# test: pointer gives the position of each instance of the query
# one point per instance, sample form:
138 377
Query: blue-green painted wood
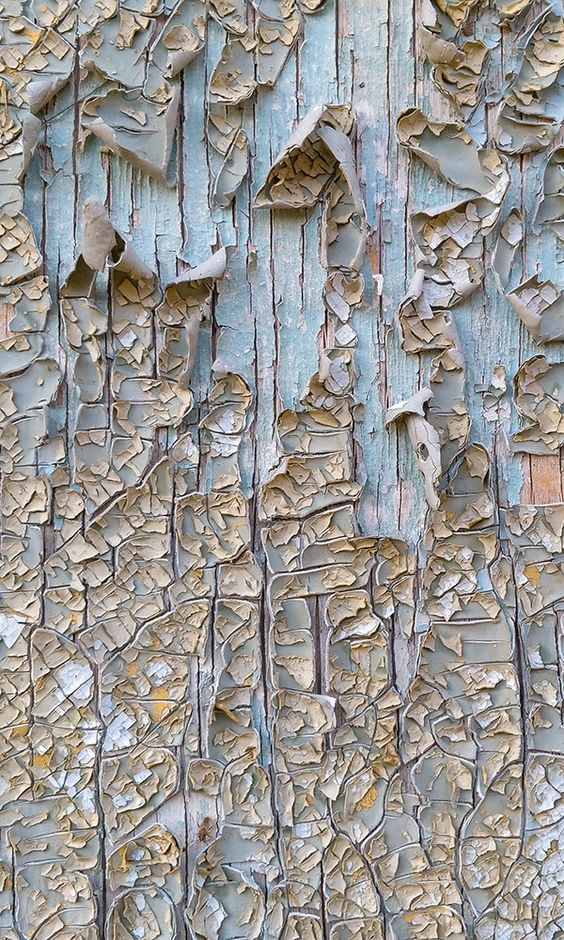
269 306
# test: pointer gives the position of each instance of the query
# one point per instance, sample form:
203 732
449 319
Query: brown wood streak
542 479
6 313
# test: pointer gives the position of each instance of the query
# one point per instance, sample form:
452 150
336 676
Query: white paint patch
10 629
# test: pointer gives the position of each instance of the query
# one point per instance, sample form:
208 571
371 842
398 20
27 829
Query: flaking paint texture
281 416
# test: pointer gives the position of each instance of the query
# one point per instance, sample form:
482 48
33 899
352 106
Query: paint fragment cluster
206 729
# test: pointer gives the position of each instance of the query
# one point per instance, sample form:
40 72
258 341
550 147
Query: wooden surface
267 324
268 311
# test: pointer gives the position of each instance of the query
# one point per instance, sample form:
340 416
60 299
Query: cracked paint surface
281 501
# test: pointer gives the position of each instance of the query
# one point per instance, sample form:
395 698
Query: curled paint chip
509 239
540 306
539 389
137 128
424 440
551 207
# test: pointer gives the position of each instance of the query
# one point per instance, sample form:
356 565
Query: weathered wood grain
362 738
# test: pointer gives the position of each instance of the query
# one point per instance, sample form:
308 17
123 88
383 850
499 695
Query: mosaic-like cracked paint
236 701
